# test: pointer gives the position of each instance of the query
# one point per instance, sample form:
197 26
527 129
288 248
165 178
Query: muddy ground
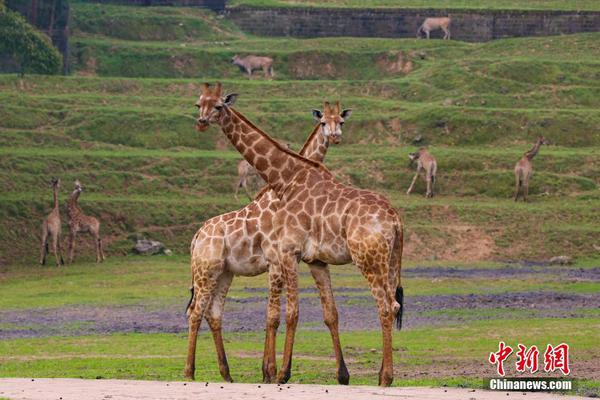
355 305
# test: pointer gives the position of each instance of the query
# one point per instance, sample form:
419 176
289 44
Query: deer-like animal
252 63
425 163
524 168
433 24
51 228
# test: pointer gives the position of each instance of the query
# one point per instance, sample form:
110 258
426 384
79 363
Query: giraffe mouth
201 126
337 139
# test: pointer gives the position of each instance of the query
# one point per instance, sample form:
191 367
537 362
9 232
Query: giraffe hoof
189 373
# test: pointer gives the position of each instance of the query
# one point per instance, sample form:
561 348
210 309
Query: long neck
315 147
72 203
55 193
532 153
273 162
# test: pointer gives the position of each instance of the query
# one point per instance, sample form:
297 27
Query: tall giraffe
81 223
426 163
52 227
524 168
318 220
234 244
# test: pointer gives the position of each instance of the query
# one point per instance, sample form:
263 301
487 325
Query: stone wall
215 5
468 25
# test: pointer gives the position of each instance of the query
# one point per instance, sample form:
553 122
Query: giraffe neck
55 193
315 147
72 205
532 153
273 162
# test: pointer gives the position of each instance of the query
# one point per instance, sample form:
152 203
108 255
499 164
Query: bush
30 50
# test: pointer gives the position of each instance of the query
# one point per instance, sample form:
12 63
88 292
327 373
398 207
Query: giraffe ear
230 99
317 115
346 113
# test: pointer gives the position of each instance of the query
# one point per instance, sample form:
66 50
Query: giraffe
52 227
81 223
245 172
425 162
232 244
318 220
524 168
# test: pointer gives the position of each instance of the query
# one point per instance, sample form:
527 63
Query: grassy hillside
123 124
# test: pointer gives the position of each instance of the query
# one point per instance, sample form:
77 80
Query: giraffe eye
323 124
218 108
341 123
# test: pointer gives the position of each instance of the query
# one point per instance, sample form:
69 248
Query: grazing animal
51 227
252 63
426 163
81 223
524 168
245 173
234 244
432 24
318 220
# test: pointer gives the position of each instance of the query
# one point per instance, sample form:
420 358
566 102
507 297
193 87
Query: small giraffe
81 223
234 244
245 172
524 168
52 227
425 162
318 220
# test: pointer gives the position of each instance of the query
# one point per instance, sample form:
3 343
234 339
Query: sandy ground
78 389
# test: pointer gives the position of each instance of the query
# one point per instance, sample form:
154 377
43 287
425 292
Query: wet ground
356 308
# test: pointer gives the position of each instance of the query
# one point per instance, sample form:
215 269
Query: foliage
31 50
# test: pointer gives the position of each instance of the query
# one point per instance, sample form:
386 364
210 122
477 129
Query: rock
418 139
447 102
168 252
561 260
148 247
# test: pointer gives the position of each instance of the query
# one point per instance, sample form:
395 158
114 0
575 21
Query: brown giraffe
51 227
524 168
426 163
319 220
234 244
81 223
245 172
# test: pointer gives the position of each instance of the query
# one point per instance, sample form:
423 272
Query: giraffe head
55 183
78 187
415 156
543 140
331 120
211 105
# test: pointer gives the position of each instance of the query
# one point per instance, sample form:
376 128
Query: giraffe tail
397 262
189 306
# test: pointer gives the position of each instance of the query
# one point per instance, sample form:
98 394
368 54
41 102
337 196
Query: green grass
590 5
161 356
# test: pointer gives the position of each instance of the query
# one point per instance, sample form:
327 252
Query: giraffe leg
412 184
517 185
322 279
203 290
44 246
248 192
72 236
429 193
215 318
55 248
97 243
269 366
526 189
62 261
241 183
289 263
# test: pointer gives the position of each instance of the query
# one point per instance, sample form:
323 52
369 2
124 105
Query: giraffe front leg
412 184
517 185
289 265
72 236
44 245
62 261
322 279
269 367
55 249
215 318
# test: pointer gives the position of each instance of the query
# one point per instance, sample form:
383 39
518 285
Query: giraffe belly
247 266
334 253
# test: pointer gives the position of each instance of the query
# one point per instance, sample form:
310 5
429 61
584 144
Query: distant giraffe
234 244
81 223
524 168
51 227
425 162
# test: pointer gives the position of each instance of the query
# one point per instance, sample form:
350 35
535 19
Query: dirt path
76 389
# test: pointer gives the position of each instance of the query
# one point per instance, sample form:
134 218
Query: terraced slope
123 124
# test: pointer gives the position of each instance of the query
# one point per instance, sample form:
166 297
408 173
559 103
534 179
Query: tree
30 50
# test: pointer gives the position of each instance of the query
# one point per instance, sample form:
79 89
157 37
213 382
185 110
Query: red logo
527 359
498 358
557 358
